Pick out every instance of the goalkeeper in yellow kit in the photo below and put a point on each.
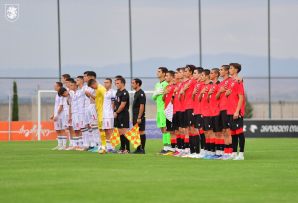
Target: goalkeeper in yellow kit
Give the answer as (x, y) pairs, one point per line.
(99, 99)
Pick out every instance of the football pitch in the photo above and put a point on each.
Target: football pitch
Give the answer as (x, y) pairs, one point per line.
(31, 172)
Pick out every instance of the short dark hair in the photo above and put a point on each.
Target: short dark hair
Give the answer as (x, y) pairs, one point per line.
(138, 81)
(237, 66)
(118, 77)
(80, 77)
(71, 80)
(109, 79)
(190, 67)
(91, 73)
(122, 80)
(59, 84)
(206, 71)
(216, 70)
(66, 76)
(91, 82)
(86, 72)
(172, 73)
(179, 69)
(61, 91)
(163, 69)
(225, 67)
(199, 69)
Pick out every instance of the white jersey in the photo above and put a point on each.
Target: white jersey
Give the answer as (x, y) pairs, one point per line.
(88, 100)
(81, 100)
(58, 102)
(108, 111)
(76, 98)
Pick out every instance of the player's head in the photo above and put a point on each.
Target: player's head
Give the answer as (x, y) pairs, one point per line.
(214, 73)
(67, 82)
(179, 73)
(64, 77)
(197, 73)
(188, 70)
(63, 92)
(58, 86)
(205, 75)
(120, 83)
(136, 83)
(86, 76)
(73, 84)
(116, 78)
(92, 83)
(170, 75)
(91, 75)
(224, 70)
(161, 72)
(80, 80)
(107, 83)
(235, 68)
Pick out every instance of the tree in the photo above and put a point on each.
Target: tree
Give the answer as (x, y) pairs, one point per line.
(248, 109)
(15, 103)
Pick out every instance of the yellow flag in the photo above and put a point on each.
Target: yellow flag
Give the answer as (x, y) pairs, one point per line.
(134, 136)
(115, 138)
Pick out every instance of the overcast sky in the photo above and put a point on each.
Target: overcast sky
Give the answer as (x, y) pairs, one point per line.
(95, 32)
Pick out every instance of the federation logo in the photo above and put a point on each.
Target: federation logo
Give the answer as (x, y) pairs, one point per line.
(12, 12)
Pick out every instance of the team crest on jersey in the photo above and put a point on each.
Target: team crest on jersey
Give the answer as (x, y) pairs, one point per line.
(12, 12)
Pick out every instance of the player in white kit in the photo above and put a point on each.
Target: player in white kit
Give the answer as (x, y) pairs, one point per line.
(75, 113)
(57, 117)
(108, 112)
(91, 113)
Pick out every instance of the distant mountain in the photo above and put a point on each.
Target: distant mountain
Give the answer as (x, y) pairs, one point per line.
(253, 66)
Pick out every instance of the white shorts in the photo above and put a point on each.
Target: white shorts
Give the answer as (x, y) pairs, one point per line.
(92, 115)
(108, 123)
(58, 124)
(77, 121)
(86, 118)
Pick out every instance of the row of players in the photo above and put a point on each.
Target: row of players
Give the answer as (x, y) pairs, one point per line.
(88, 111)
(206, 119)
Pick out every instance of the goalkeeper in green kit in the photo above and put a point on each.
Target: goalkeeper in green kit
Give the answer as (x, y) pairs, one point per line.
(160, 114)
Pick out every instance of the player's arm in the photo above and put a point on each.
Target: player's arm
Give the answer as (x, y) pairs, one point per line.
(60, 109)
(202, 92)
(141, 111)
(69, 113)
(195, 90)
(121, 107)
(240, 101)
(142, 106)
(220, 91)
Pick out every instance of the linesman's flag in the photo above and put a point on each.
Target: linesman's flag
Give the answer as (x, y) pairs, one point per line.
(115, 138)
(134, 136)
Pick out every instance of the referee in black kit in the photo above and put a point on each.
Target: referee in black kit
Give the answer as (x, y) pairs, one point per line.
(138, 112)
(121, 113)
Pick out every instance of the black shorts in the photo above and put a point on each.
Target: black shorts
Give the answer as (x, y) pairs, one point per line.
(216, 125)
(142, 125)
(180, 119)
(198, 121)
(224, 121)
(175, 122)
(188, 118)
(235, 124)
(122, 120)
(207, 123)
(169, 125)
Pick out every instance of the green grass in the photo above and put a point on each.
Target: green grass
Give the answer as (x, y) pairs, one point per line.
(31, 172)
